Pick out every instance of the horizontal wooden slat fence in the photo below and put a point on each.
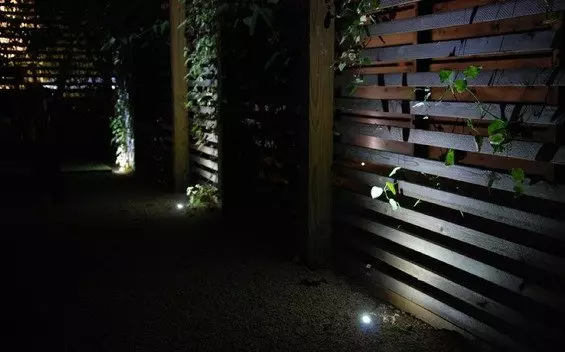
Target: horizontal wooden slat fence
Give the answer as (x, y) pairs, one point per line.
(462, 251)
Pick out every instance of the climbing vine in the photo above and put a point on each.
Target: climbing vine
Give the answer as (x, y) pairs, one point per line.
(354, 18)
(201, 58)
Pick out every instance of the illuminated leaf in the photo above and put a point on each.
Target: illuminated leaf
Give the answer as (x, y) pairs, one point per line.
(472, 71)
(394, 171)
(479, 141)
(391, 187)
(460, 85)
(342, 66)
(496, 126)
(393, 204)
(496, 139)
(450, 157)
(376, 192)
(445, 75)
(518, 174)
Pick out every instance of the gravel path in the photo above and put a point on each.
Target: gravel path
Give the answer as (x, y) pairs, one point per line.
(164, 281)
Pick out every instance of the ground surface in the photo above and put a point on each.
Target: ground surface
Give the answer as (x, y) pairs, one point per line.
(119, 268)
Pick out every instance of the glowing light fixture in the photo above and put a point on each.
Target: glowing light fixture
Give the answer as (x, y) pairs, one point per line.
(366, 319)
(363, 164)
(180, 206)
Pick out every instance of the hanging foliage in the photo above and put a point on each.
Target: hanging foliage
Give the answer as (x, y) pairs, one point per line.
(201, 58)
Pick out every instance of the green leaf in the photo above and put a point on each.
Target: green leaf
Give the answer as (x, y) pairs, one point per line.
(376, 192)
(518, 175)
(393, 204)
(472, 71)
(445, 75)
(450, 157)
(391, 187)
(518, 190)
(394, 171)
(496, 126)
(460, 85)
(496, 139)
(479, 141)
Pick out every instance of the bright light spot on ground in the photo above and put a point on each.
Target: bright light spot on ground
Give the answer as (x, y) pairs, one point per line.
(366, 319)
(180, 206)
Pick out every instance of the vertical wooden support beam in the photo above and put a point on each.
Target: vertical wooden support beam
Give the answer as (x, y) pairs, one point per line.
(320, 134)
(181, 132)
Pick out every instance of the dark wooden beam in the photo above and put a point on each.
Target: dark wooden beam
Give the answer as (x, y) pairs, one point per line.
(181, 131)
(320, 135)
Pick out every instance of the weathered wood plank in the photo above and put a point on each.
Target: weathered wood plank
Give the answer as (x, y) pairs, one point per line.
(513, 25)
(388, 40)
(513, 217)
(206, 150)
(204, 162)
(473, 237)
(442, 310)
(464, 263)
(531, 114)
(212, 177)
(509, 43)
(320, 135)
(531, 95)
(452, 288)
(515, 149)
(526, 77)
(455, 172)
(378, 143)
(481, 14)
(496, 63)
(181, 130)
(486, 13)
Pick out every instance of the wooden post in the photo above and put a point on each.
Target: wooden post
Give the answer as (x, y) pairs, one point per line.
(181, 132)
(320, 134)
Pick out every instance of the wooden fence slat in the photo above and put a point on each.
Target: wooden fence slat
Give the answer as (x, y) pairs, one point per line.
(513, 217)
(530, 114)
(464, 263)
(206, 150)
(526, 77)
(204, 162)
(513, 25)
(452, 288)
(515, 149)
(508, 43)
(450, 314)
(471, 175)
(206, 174)
(487, 13)
(473, 237)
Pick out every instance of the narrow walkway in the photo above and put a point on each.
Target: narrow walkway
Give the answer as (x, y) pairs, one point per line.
(118, 268)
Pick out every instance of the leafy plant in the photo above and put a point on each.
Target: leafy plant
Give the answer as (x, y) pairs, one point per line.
(122, 132)
(389, 186)
(518, 176)
(354, 20)
(202, 196)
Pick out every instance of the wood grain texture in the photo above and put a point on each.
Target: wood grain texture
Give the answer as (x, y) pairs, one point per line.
(481, 14)
(320, 140)
(181, 130)
(508, 43)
